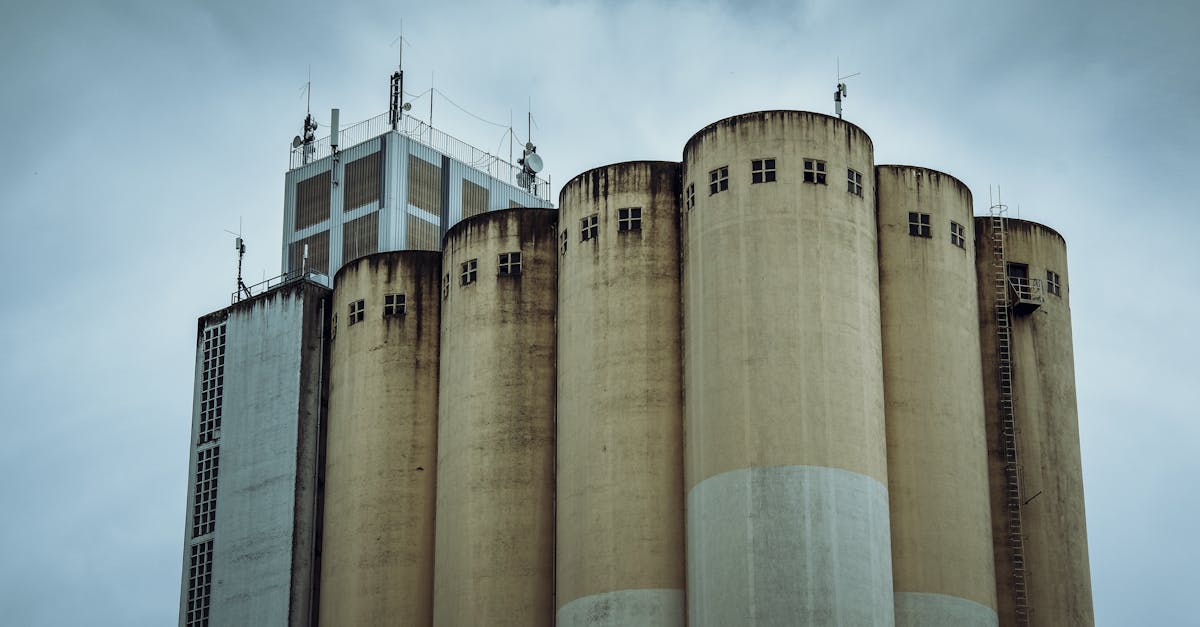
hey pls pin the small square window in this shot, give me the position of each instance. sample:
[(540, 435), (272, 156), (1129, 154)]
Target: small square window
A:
[(562, 243), (814, 171), (469, 271), (918, 224), (718, 180), (854, 182), (629, 219), (589, 227), (762, 171), (393, 305), (1053, 283), (510, 264), (357, 312), (958, 235), (691, 196)]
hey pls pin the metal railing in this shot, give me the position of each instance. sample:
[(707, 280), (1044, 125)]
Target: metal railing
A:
[(274, 282), (419, 131), (1026, 290)]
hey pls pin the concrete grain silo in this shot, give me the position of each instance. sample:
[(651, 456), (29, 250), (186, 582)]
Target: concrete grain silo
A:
[(937, 452), (1040, 535), (620, 540), (377, 551), (786, 468), (495, 495)]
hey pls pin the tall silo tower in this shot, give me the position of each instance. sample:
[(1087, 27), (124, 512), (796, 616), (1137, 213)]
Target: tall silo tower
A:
[(381, 457), (786, 468), (620, 542), (494, 556), (1040, 535), (937, 452)]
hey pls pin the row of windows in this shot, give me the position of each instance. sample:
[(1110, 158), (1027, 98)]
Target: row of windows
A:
[(919, 225), (394, 306), (199, 584), (764, 171), (628, 219), (204, 504), (212, 383), (508, 264)]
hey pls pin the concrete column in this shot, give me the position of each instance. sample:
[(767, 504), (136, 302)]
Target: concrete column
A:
[(787, 506), (933, 387), (1057, 574), (620, 543), (381, 452), (495, 493)]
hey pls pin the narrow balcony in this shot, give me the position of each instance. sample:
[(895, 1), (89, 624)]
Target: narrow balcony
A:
[(1025, 295)]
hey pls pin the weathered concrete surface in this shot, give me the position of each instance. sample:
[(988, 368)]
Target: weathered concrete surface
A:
[(620, 538), (933, 388), (381, 461), (1055, 529), (266, 497), (495, 493), (782, 364)]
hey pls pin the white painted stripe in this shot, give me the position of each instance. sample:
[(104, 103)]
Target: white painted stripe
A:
[(922, 609), (646, 607), (789, 545)]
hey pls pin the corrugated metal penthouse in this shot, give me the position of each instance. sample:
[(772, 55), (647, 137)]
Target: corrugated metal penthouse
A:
[(771, 384)]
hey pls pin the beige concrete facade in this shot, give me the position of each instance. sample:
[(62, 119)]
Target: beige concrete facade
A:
[(620, 542), (942, 563), (381, 459), (494, 556), (1051, 478), (786, 466)]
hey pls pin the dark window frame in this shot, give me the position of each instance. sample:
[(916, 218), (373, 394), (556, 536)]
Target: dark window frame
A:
[(762, 170), (920, 224)]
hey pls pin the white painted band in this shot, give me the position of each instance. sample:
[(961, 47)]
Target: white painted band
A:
[(923, 609), (789, 545), (646, 607)]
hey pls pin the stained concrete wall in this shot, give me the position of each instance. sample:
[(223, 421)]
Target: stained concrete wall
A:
[(381, 463), (263, 548), (1051, 478), (494, 556), (620, 538), (943, 572), (787, 504)]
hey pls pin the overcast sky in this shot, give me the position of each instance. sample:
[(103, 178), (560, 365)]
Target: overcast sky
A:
[(135, 133)]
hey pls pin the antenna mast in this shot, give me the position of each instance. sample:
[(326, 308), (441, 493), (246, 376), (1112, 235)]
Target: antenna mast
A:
[(309, 134), (840, 92), (530, 162), (240, 246), (397, 106)]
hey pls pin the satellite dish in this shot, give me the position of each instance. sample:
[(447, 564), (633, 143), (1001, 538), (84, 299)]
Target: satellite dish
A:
[(533, 162), (297, 141)]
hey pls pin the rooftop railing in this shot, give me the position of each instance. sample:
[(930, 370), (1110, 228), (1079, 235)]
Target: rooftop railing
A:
[(276, 281), (419, 131)]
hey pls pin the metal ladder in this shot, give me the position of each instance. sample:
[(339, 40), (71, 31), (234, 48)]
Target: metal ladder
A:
[(1012, 487)]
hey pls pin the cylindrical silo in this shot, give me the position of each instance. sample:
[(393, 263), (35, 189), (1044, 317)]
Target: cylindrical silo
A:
[(381, 456), (495, 493), (787, 499), (942, 567), (1038, 525), (620, 530)]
